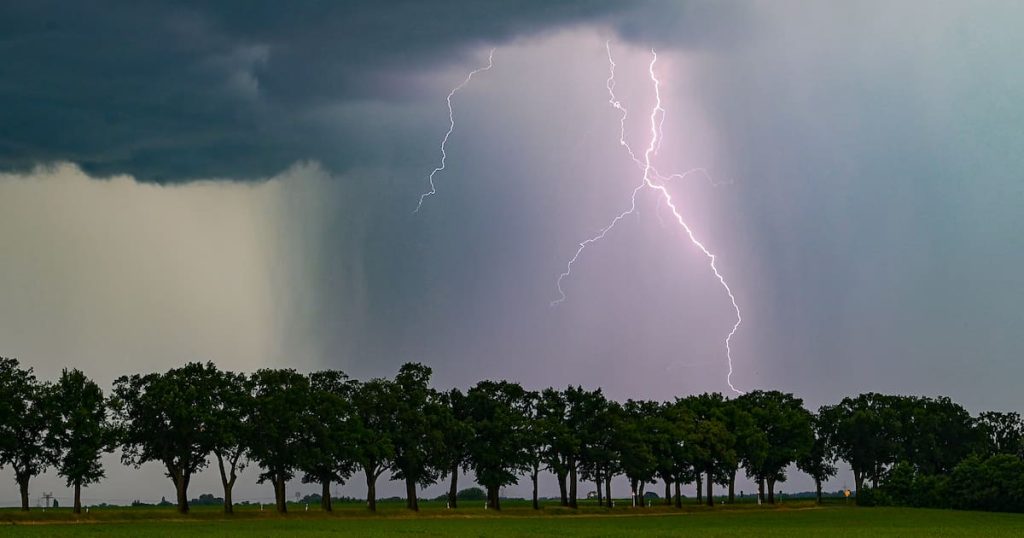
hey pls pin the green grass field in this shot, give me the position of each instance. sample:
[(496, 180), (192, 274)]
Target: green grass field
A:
[(790, 520)]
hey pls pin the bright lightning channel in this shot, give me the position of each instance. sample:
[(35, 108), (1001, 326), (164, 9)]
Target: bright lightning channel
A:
[(653, 180), (451, 128)]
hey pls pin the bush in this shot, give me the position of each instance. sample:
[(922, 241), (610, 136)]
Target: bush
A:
[(873, 497), (899, 484), (471, 494), (996, 484), (930, 491)]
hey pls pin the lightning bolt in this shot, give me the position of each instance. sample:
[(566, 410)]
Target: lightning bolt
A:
[(655, 181), (451, 128)]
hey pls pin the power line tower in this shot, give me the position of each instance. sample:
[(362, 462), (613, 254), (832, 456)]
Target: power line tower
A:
[(46, 499)]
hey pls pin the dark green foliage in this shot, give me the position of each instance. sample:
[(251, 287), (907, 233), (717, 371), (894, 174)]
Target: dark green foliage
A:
[(781, 431), (911, 451), (634, 436), (207, 499), (279, 420), (417, 433), (996, 483), (78, 430), (230, 427), (23, 425), (561, 444), (1002, 433), (714, 445), (373, 412), (587, 420), (452, 422), (167, 418), (472, 494), (819, 460), (498, 414), (328, 443)]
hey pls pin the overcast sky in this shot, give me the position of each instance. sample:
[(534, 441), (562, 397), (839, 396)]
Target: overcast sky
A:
[(181, 182)]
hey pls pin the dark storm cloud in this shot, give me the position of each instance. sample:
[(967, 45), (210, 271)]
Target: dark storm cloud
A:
[(172, 91)]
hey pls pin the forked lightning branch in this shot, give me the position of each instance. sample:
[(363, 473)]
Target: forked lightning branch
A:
[(650, 179)]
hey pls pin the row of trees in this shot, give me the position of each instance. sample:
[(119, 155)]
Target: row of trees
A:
[(325, 427)]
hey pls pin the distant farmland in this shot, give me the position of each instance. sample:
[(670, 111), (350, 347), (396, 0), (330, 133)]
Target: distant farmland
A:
[(799, 518)]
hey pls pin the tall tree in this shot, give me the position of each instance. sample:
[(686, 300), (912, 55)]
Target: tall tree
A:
[(23, 425), (681, 424), (935, 434), (551, 414), (750, 442), (582, 406), (279, 415), (599, 456), (230, 427), (416, 436), (78, 430), (714, 446), (819, 461), (866, 434), (786, 429), (167, 418), (328, 441), (498, 450), (1003, 432), (373, 422), (666, 437), (456, 433), (535, 444), (633, 441), (586, 418)]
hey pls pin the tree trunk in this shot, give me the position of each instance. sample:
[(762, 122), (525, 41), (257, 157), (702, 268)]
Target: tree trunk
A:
[(371, 489), (493, 497), (771, 491), (562, 488), (325, 496), (533, 476), (411, 502), (572, 486), (23, 489), (700, 489), (732, 488), (608, 489), (453, 489), (817, 489), (598, 482), (282, 497), (633, 491), (227, 480), (229, 505), (78, 498), (857, 481), (760, 490), (711, 489), (181, 490), (679, 496)]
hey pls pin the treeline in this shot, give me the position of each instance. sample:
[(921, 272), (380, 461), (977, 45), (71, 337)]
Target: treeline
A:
[(325, 427)]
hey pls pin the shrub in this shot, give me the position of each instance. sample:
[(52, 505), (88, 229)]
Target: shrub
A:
[(996, 484), (471, 494), (873, 497)]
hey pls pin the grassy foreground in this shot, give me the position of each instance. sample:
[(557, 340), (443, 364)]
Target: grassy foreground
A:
[(791, 519)]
